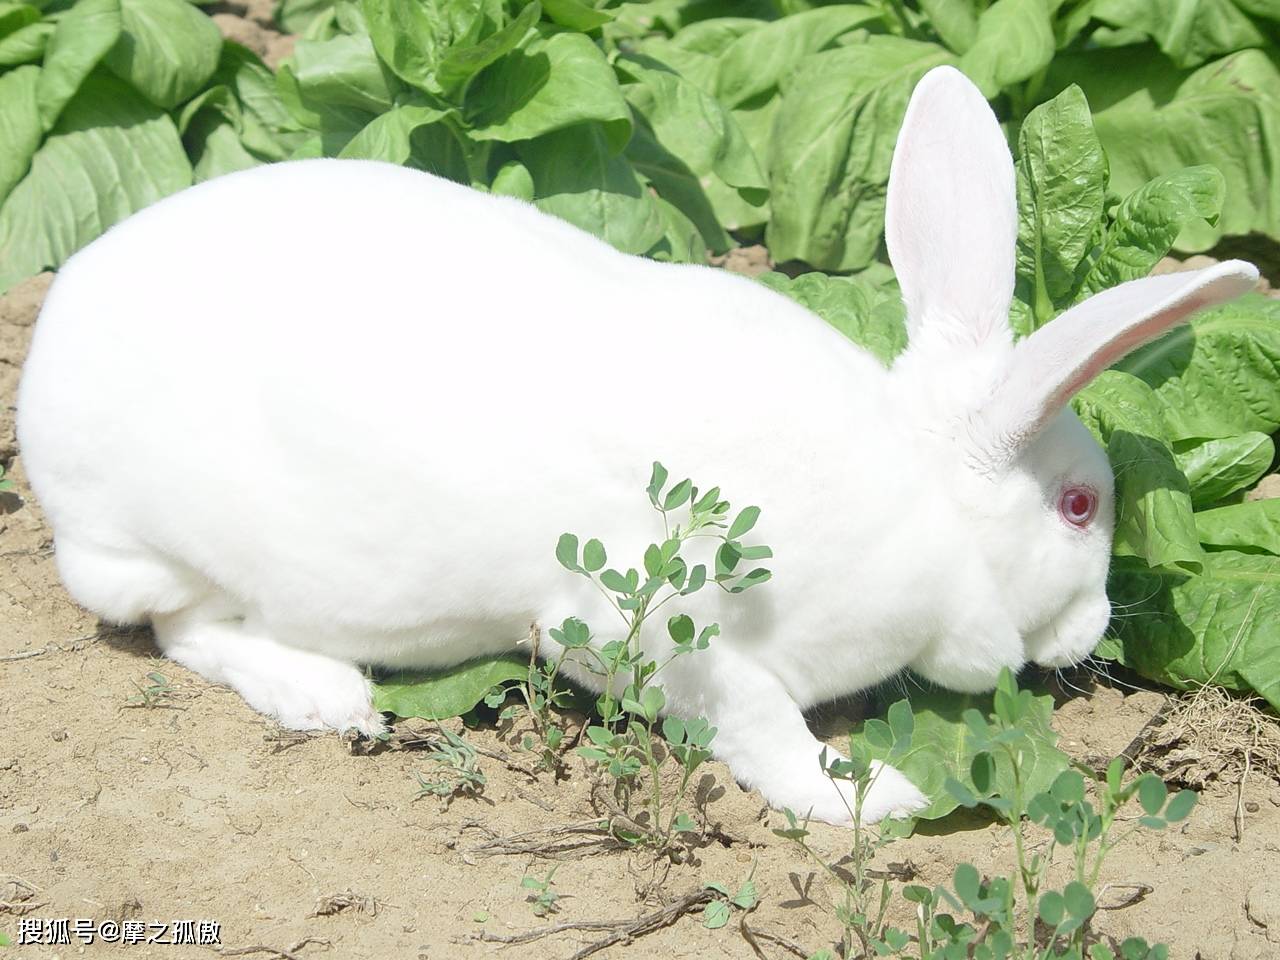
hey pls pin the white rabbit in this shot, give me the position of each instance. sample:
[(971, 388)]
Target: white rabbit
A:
[(361, 445)]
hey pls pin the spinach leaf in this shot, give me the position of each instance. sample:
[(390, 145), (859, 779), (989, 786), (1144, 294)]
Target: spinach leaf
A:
[(755, 63), (1216, 376), (599, 191), (943, 745), (833, 141), (868, 313), (545, 86), (82, 37), (1152, 121), (1252, 527), (1153, 501), (111, 154), (1189, 33), (451, 692), (1062, 184), (692, 149), (1221, 627), (167, 50), (1014, 41), (20, 129), (1149, 221), (1215, 469)]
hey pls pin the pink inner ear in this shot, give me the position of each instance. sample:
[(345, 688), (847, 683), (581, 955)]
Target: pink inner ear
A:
[(1118, 347)]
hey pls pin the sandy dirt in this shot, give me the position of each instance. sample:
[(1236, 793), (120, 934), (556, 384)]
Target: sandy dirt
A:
[(195, 809)]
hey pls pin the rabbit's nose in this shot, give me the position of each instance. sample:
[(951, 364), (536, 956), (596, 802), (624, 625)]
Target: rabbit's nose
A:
[(1071, 636)]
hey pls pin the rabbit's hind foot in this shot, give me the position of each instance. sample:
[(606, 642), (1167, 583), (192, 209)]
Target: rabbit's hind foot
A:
[(300, 689)]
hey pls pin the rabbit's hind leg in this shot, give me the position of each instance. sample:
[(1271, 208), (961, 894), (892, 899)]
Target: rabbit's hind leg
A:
[(301, 689), (124, 584)]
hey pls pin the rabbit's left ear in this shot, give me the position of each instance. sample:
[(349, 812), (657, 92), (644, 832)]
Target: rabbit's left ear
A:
[(1047, 368), (951, 218)]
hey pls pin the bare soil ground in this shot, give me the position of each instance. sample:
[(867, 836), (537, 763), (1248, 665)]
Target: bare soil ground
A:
[(194, 808)]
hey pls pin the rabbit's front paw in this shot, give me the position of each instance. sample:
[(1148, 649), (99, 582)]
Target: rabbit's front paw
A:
[(889, 795), (315, 694)]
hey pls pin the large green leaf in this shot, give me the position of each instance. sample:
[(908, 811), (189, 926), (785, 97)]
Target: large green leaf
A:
[(693, 151), (111, 154), (1252, 527), (388, 136), (266, 128), (1188, 31), (1218, 468), (870, 314), (15, 16), (438, 695), (1148, 222), (678, 185), (697, 49), (1014, 41), (942, 746), (832, 145), (26, 45), (1218, 375), (1221, 627), (1153, 502), (167, 49), (341, 85), (1062, 185), (461, 62), (295, 16), (955, 21), (577, 177), (1152, 120), (413, 36), (20, 129), (755, 63), (575, 14), (215, 148), (545, 86), (83, 36)]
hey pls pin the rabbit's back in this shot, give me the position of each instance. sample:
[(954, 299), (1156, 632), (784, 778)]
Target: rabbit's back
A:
[(334, 387)]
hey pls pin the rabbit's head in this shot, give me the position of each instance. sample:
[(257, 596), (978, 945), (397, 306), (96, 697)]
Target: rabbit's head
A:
[(1024, 490)]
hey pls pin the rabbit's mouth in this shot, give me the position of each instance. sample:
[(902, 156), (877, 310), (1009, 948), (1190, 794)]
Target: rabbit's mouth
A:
[(1071, 636)]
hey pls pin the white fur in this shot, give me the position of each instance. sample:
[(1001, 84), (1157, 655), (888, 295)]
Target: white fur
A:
[(329, 413)]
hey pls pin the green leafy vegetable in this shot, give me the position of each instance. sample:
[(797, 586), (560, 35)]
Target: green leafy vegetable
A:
[(1217, 376), (1153, 511), (944, 745), (1221, 627), (437, 695), (1215, 469), (833, 140), (167, 49), (111, 154)]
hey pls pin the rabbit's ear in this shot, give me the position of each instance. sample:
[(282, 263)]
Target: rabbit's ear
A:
[(1050, 366), (951, 219)]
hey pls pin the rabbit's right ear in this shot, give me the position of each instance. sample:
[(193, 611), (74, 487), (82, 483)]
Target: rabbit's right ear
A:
[(951, 218)]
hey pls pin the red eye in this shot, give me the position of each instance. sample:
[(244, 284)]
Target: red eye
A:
[(1078, 505)]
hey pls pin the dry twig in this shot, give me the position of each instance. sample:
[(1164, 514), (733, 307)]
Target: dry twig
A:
[(289, 953), (617, 931)]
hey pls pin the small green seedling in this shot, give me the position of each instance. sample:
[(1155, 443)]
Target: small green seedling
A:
[(159, 692), (717, 912), (1016, 916), (624, 746), (459, 771), (541, 895)]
